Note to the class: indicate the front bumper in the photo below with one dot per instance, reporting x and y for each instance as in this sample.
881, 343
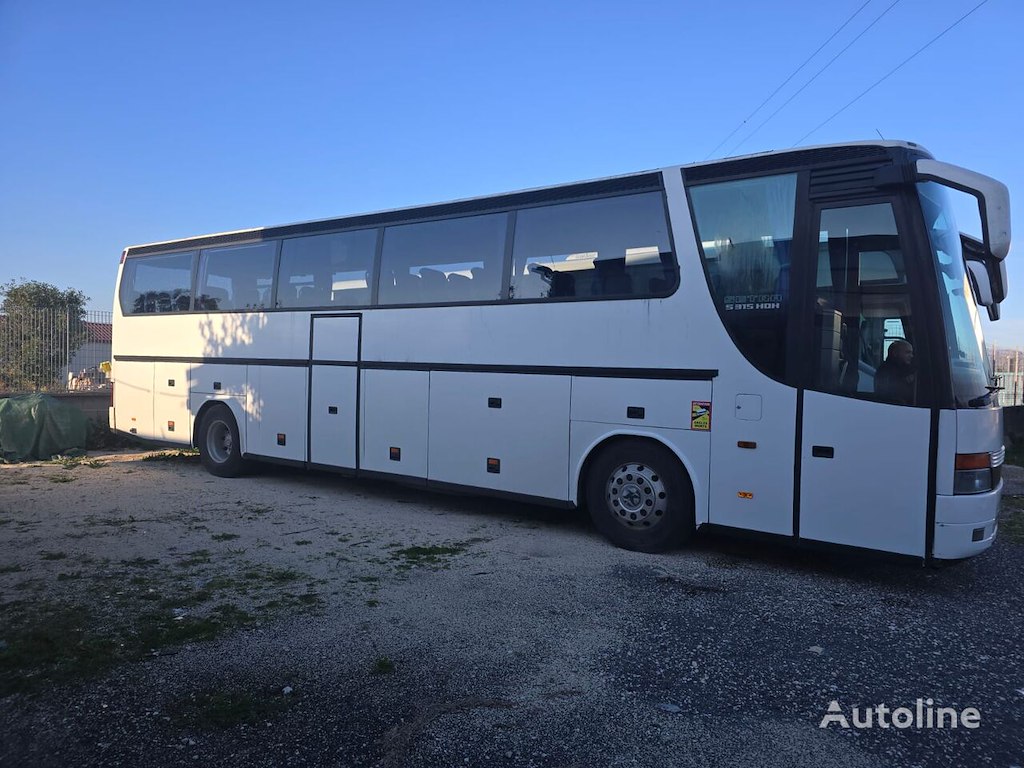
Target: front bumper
966, 525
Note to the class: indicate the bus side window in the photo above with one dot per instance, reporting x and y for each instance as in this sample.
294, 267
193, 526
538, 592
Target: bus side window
326, 270
612, 247
229, 278
450, 260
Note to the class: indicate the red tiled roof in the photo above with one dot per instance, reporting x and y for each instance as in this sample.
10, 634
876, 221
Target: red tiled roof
98, 332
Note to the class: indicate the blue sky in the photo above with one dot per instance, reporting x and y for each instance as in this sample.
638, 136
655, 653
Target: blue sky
125, 123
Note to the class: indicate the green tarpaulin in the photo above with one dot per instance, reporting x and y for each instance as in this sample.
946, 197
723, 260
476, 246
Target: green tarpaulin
38, 427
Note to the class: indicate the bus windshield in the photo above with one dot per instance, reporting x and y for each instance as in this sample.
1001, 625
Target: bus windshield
969, 365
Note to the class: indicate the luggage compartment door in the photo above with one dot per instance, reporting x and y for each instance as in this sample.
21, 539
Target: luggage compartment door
334, 390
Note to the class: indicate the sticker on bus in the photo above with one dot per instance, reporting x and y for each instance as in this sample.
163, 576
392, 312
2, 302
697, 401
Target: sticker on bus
700, 415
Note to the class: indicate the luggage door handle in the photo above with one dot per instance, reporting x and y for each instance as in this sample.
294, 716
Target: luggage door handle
823, 451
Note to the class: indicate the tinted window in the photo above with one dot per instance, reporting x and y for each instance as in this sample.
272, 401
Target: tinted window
612, 247
746, 233
443, 261
236, 278
327, 270
863, 331
157, 283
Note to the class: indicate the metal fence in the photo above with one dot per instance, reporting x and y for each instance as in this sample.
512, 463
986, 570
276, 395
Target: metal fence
53, 350
1008, 366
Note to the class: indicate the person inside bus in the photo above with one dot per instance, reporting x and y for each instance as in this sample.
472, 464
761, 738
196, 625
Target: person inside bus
894, 379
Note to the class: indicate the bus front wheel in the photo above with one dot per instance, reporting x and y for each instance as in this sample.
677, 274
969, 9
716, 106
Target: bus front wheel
640, 497
220, 450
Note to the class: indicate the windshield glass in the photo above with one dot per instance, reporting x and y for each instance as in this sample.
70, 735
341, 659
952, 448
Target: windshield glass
968, 359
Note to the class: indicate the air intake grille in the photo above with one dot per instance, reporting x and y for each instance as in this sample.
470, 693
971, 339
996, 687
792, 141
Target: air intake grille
841, 180
780, 161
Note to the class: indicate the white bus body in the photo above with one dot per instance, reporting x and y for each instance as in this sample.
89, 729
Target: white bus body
645, 376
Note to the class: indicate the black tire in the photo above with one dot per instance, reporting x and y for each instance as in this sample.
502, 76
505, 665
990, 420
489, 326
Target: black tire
640, 496
220, 450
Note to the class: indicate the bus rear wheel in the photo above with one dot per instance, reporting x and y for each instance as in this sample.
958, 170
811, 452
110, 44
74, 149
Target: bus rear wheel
640, 497
220, 450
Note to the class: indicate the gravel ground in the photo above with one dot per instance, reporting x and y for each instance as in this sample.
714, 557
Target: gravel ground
357, 624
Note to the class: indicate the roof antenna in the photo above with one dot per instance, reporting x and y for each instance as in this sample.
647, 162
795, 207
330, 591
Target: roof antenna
880, 134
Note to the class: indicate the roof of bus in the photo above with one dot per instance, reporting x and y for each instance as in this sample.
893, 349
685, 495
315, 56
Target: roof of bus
246, 235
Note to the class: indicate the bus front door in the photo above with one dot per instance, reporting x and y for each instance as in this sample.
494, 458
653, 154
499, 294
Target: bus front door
333, 393
864, 442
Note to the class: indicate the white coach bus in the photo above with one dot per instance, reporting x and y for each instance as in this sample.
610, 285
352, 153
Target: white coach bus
786, 343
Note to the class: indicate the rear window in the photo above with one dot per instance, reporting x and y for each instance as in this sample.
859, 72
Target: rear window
151, 284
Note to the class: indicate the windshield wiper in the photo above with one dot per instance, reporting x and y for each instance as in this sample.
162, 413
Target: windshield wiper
982, 400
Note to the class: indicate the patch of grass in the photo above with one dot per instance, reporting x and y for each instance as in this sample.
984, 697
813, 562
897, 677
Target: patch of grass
52, 643
179, 454
272, 575
158, 629
62, 479
199, 557
138, 614
256, 509
6, 520
303, 542
224, 536
220, 708
13, 568
431, 556
372, 603
68, 461
53, 555
93, 520
141, 562
1011, 522
382, 665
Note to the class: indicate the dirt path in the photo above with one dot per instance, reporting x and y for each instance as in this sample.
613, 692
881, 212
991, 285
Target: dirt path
151, 614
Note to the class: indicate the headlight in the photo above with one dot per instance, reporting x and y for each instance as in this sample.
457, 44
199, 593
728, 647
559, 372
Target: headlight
977, 472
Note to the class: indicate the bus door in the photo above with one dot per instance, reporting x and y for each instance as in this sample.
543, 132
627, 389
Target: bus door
746, 232
333, 390
864, 425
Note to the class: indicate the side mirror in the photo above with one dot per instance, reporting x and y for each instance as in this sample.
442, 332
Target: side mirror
992, 196
980, 284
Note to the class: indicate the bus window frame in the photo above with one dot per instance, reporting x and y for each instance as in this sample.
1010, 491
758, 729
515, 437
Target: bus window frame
794, 374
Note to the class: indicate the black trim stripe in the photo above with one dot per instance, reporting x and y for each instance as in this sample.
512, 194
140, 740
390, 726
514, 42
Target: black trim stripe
798, 461
668, 374
675, 374
280, 362
933, 463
